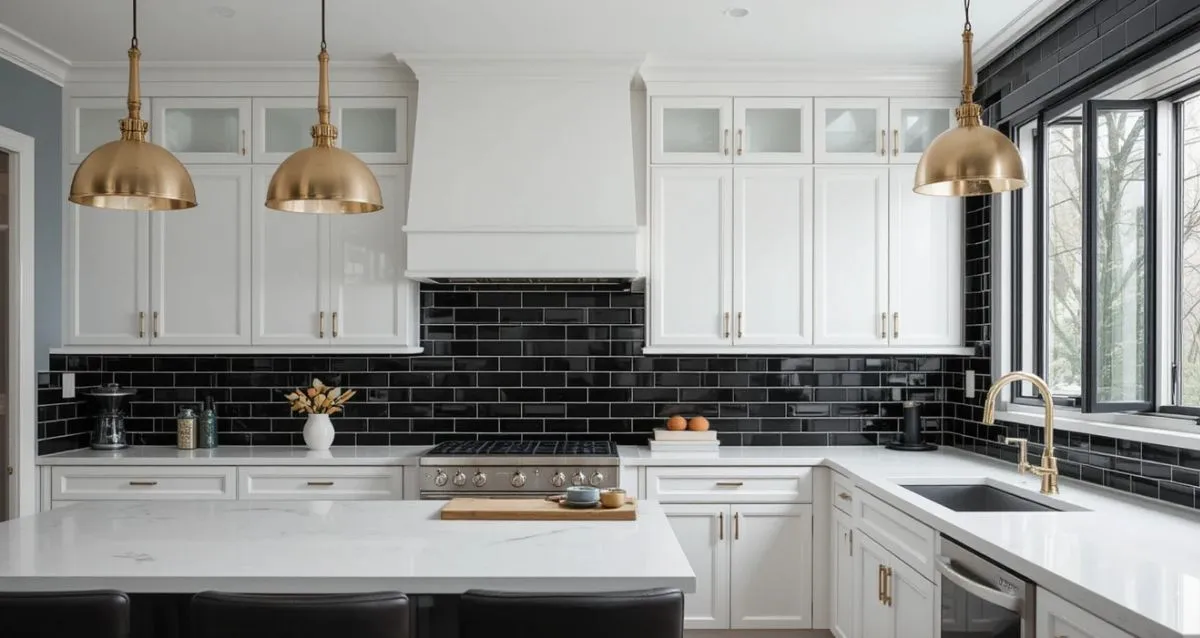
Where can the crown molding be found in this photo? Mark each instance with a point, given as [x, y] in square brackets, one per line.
[780, 77]
[31, 56]
[570, 67]
[1016, 29]
[228, 72]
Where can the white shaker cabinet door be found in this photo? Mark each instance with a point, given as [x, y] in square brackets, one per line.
[875, 617]
[108, 277]
[925, 265]
[691, 278]
[691, 130]
[702, 532]
[841, 586]
[772, 130]
[291, 273]
[200, 263]
[372, 303]
[1058, 618]
[851, 130]
[771, 567]
[773, 255]
[914, 601]
[203, 130]
[915, 123]
[850, 244]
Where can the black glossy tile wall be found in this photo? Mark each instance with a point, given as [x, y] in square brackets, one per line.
[534, 362]
[62, 424]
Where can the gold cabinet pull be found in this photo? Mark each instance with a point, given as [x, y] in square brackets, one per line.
[851, 534]
[741, 139]
[730, 483]
[879, 583]
[725, 146]
[737, 526]
[335, 330]
[155, 318]
[321, 325]
[741, 325]
[243, 142]
[883, 325]
[141, 324]
[720, 526]
[845, 496]
[320, 483]
[883, 142]
[887, 586]
[143, 483]
[895, 142]
[895, 325]
[727, 325]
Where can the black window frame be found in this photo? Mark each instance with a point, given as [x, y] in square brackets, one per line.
[1177, 99]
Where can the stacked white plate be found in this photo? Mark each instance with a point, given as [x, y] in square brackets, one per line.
[684, 441]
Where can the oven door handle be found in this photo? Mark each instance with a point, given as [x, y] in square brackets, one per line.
[994, 596]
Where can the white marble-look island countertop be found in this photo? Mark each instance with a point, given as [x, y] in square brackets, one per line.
[331, 547]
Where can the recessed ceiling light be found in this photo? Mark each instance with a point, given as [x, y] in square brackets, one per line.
[222, 11]
[737, 12]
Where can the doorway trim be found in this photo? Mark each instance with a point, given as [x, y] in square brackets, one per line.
[22, 398]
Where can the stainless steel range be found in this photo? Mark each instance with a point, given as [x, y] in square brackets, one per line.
[515, 468]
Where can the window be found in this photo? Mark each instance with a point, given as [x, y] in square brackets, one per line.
[1064, 258]
[1187, 391]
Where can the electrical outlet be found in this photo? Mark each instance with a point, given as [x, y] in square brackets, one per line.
[68, 385]
[969, 386]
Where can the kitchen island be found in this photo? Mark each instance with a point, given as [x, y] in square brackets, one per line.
[328, 547]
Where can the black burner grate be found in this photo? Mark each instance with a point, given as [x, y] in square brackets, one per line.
[523, 448]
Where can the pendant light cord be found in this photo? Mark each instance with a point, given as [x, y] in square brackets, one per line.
[966, 10]
[322, 24]
[134, 42]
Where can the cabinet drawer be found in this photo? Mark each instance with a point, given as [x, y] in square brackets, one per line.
[320, 483]
[729, 484]
[141, 483]
[908, 539]
[842, 493]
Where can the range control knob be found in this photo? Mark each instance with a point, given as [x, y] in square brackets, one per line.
[596, 479]
[578, 479]
[558, 480]
[518, 480]
[460, 479]
[479, 480]
[440, 479]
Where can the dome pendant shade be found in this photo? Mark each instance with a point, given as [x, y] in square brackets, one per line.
[324, 178]
[970, 159]
[131, 173]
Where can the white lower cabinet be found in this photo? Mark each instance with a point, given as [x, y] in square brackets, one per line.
[700, 530]
[841, 575]
[893, 600]
[1057, 618]
[320, 483]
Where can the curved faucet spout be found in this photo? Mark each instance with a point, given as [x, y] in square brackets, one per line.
[1049, 467]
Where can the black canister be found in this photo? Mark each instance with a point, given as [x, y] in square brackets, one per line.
[910, 438]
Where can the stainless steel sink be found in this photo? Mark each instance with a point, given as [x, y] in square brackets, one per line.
[979, 497]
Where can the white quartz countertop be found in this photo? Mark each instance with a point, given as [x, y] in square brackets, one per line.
[240, 455]
[330, 547]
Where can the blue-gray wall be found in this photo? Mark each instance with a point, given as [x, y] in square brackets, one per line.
[33, 106]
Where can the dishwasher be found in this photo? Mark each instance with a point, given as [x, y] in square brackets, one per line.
[981, 599]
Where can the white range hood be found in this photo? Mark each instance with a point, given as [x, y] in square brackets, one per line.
[522, 170]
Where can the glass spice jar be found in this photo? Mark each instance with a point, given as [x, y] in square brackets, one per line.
[185, 429]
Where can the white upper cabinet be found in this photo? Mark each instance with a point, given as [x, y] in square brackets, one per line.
[771, 567]
[691, 130]
[691, 275]
[850, 237]
[107, 277]
[94, 121]
[204, 130]
[851, 130]
[924, 265]
[772, 252]
[200, 263]
[291, 273]
[915, 122]
[701, 531]
[371, 301]
[772, 130]
[374, 129]
[282, 126]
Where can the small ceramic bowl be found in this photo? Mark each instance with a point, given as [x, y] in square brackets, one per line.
[582, 494]
[612, 498]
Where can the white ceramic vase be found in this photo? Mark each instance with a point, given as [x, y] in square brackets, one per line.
[318, 432]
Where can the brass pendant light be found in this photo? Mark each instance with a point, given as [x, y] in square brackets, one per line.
[324, 178]
[131, 173]
[970, 159]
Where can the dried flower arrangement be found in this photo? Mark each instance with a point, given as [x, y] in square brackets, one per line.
[319, 399]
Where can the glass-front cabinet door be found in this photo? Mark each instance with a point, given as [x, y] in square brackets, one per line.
[772, 130]
[204, 130]
[851, 130]
[282, 126]
[691, 130]
[915, 122]
[95, 121]
[373, 128]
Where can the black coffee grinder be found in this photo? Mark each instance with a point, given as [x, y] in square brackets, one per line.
[910, 439]
[109, 433]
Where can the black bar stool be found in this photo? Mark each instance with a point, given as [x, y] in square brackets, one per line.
[653, 613]
[68, 614]
[373, 615]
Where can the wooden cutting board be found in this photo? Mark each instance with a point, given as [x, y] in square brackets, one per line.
[529, 509]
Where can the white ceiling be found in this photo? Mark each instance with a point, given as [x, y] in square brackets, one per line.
[836, 31]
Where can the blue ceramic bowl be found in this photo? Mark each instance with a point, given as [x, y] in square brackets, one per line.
[582, 494]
